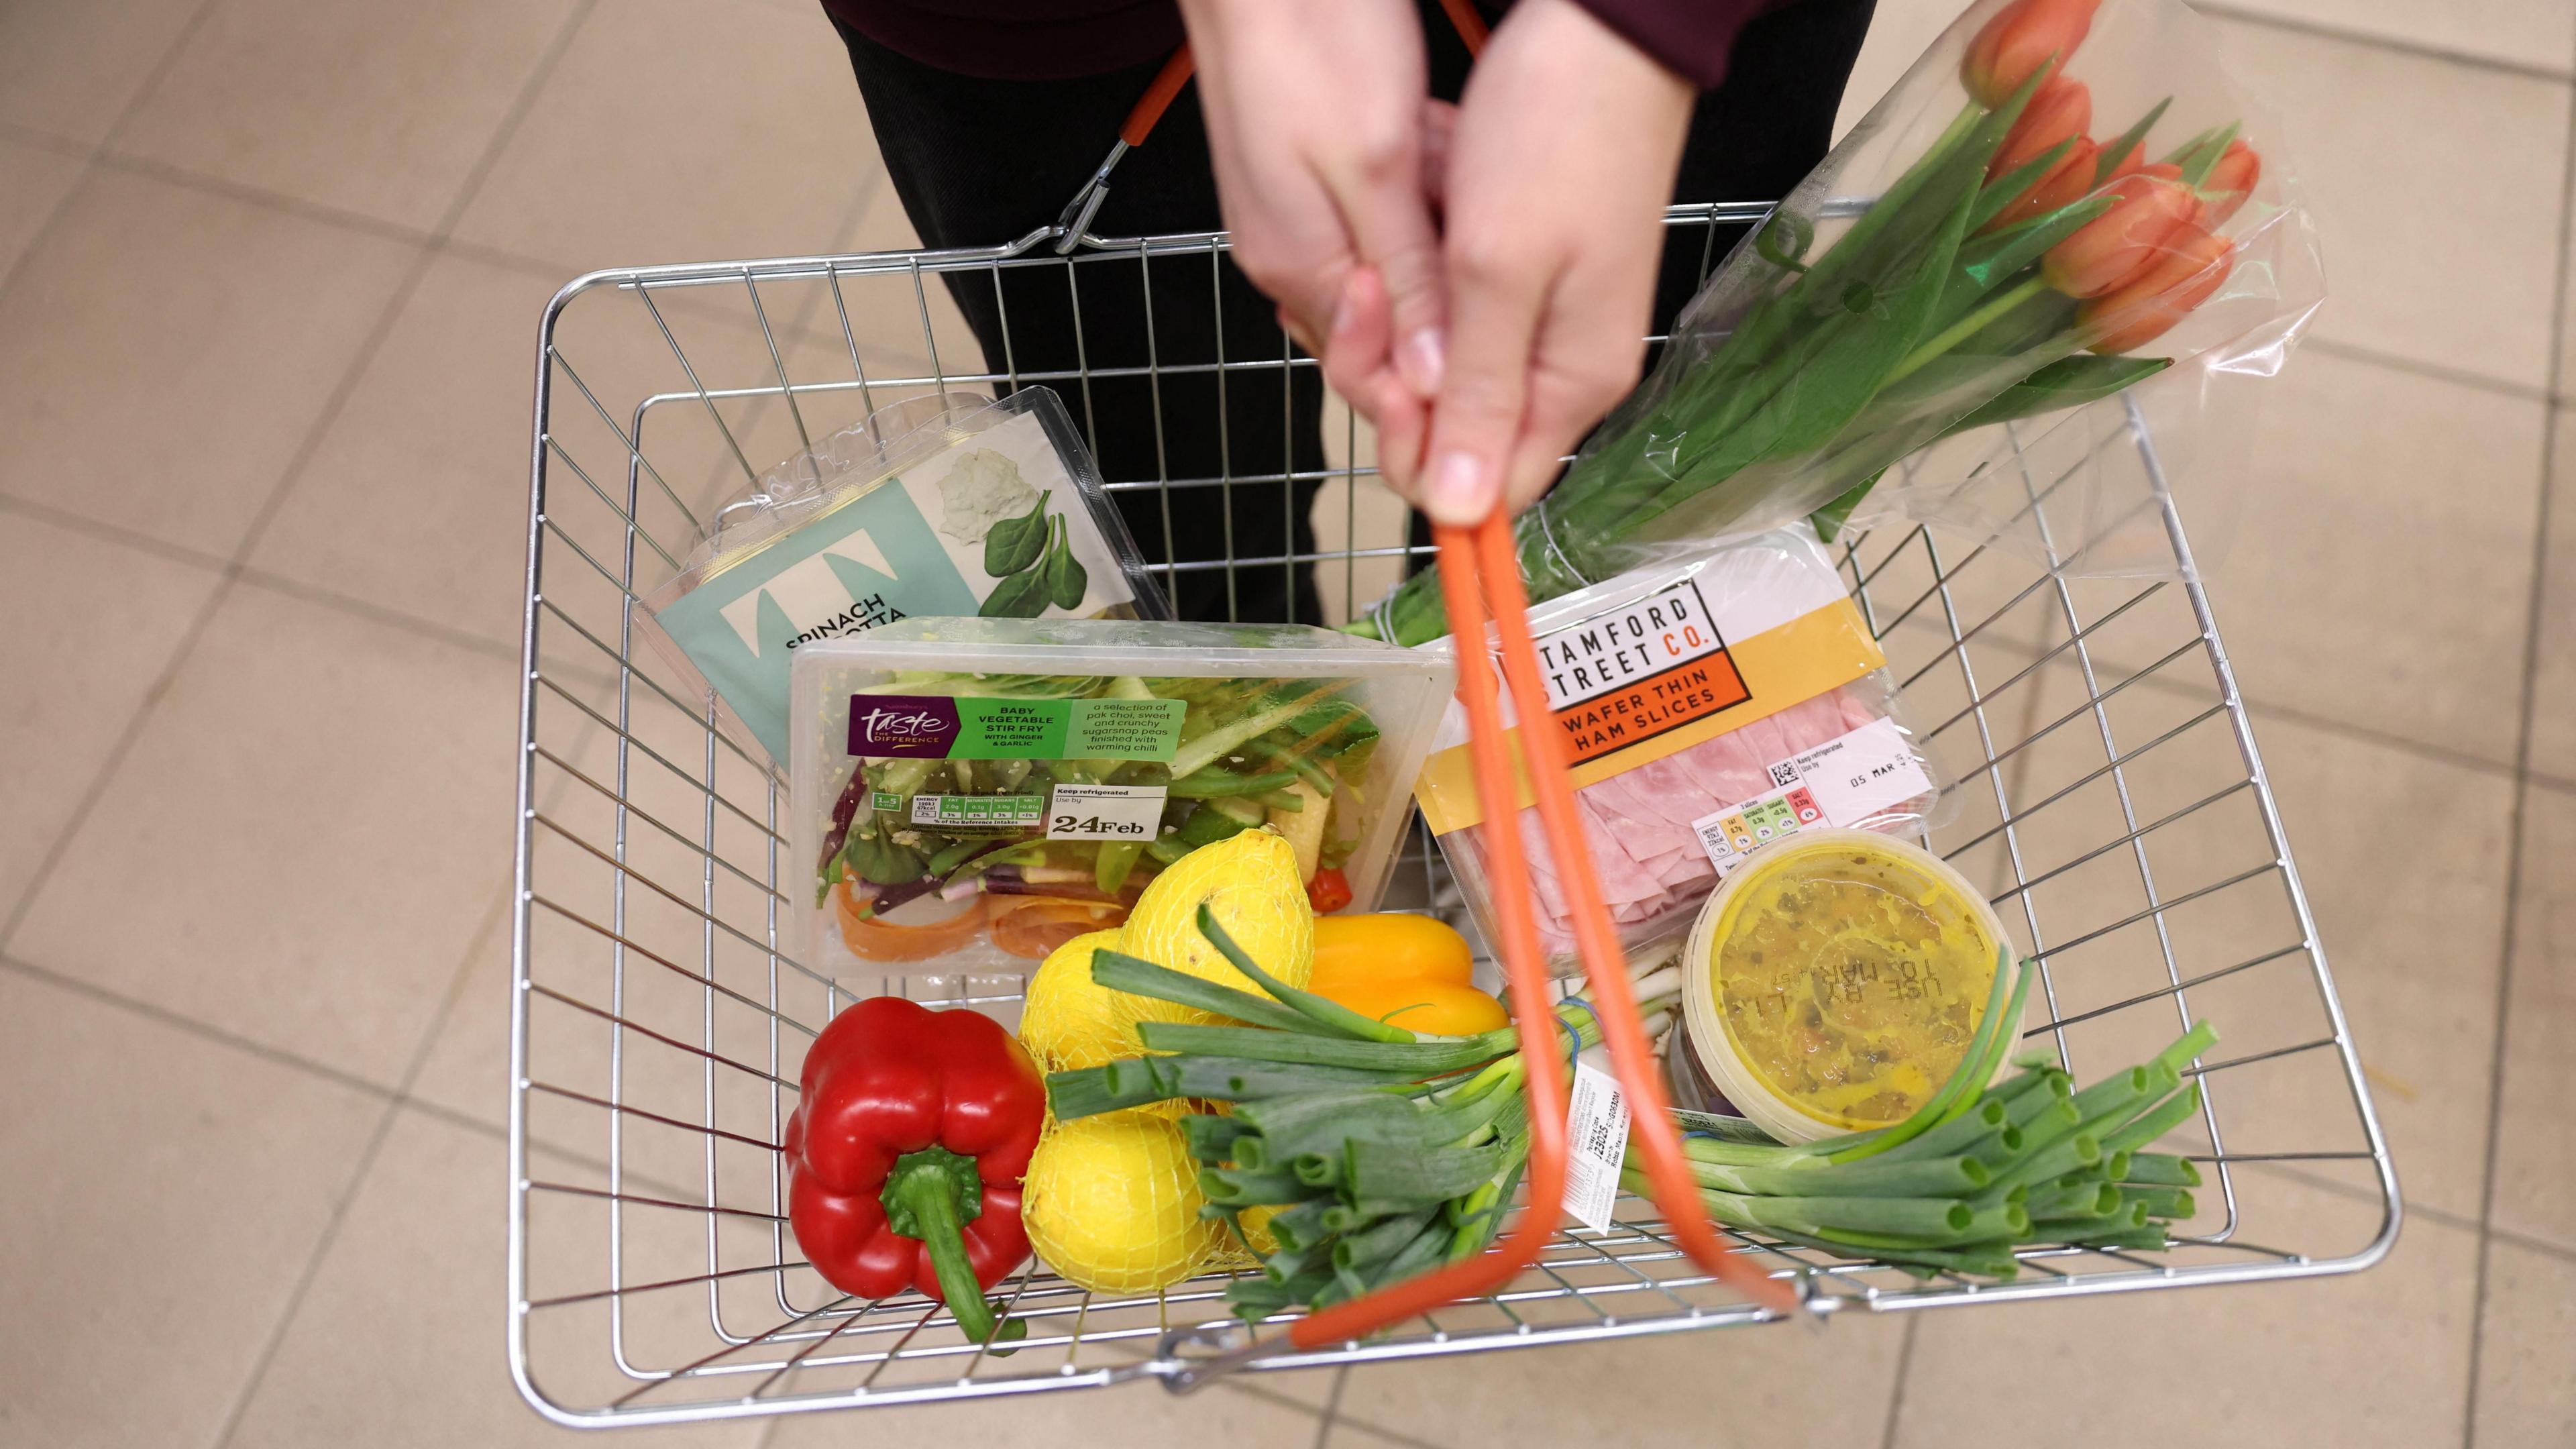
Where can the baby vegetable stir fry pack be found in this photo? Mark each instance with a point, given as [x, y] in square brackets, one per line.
[976, 792]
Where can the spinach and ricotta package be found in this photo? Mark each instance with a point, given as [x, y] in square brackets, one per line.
[949, 506]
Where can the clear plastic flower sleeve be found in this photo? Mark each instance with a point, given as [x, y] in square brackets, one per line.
[1963, 314]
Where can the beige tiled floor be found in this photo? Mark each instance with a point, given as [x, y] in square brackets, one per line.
[269, 272]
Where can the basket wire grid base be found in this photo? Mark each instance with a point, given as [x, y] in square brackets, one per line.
[2102, 783]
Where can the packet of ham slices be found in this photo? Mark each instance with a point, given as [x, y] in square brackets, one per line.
[1714, 704]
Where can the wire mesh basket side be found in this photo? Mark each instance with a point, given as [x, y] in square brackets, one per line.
[2111, 797]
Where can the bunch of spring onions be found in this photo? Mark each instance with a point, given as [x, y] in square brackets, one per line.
[1971, 1175]
[1357, 1153]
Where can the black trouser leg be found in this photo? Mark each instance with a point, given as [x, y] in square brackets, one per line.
[980, 162]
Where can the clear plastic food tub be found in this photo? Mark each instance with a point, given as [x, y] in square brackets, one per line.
[969, 794]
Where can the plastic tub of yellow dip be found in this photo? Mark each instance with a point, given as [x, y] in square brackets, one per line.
[1835, 980]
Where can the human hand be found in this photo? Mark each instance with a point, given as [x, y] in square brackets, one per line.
[1315, 120]
[1567, 143]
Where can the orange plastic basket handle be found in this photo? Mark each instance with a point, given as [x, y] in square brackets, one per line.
[1075, 219]
[1157, 97]
[1480, 578]
[1176, 72]
[1605, 962]
[1542, 1048]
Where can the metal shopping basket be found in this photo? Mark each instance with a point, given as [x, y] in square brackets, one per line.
[2108, 793]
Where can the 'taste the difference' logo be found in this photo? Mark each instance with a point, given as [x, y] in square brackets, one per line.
[902, 725]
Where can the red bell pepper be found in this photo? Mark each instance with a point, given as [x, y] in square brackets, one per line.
[912, 1132]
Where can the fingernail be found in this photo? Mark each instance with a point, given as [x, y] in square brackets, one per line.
[1459, 492]
[1424, 359]
[1344, 310]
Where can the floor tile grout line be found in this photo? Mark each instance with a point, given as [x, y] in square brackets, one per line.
[44, 140]
[284, 203]
[115, 761]
[2270, 708]
[2326, 30]
[263, 579]
[392, 618]
[279, 1056]
[494, 919]
[1896, 1383]
[1392, 1436]
[230, 576]
[89, 163]
[146, 1007]
[293, 473]
[1332, 1407]
[105, 532]
[2532, 1243]
[2515, 852]
[511, 119]
[2455, 1221]
[160, 72]
[348, 1194]
[2362, 352]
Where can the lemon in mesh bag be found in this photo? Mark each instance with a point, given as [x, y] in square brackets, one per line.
[1112, 1203]
[1070, 1021]
[1249, 882]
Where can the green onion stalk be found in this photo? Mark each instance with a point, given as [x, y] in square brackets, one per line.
[1976, 1172]
[1928, 317]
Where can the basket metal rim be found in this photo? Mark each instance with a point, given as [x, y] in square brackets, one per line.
[1173, 1371]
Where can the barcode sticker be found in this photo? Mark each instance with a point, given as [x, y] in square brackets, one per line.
[1596, 1135]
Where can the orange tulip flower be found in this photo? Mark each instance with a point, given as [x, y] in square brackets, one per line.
[2060, 108]
[2231, 181]
[2108, 251]
[2064, 184]
[2182, 276]
[2014, 45]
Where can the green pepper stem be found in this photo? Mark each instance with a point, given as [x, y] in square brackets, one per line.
[931, 1193]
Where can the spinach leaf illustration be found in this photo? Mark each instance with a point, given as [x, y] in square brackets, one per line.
[1015, 543]
[1021, 596]
[1065, 575]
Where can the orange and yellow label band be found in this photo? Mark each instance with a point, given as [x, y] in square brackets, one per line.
[1666, 713]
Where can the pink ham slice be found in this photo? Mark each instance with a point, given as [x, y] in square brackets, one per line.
[1638, 824]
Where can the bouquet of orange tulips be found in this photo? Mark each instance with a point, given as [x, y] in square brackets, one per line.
[2013, 264]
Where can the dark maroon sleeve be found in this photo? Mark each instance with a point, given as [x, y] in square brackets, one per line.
[1693, 38]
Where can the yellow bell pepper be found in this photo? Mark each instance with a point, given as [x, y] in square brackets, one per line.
[1410, 971]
